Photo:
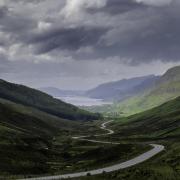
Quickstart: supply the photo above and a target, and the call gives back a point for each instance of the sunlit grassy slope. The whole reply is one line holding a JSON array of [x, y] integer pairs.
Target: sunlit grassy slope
[[165, 89], [162, 121]]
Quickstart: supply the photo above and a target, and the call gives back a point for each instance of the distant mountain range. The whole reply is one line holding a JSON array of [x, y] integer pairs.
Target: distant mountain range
[[133, 95], [118, 90], [166, 88], [123, 89], [163, 89]]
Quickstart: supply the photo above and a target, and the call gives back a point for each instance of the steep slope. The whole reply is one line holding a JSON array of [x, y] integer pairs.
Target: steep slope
[[160, 122], [166, 88], [29, 120], [172, 74], [27, 138], [34, 130], [44, 102], [123, 89], [160, 125]]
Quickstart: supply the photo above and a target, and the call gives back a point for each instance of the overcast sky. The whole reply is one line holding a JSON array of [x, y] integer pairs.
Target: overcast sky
[[78, 44]]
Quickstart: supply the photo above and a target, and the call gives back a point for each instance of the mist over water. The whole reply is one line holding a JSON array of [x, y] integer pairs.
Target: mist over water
[[83, 101]]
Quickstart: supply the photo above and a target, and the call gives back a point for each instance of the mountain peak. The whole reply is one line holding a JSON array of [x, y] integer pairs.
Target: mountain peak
[[173, 74]]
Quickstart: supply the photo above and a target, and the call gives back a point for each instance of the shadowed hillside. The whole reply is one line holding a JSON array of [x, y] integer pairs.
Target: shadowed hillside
[[30, 121], [37, 99]]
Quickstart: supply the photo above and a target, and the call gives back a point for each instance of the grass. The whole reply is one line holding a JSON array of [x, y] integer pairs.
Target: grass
[[159, 125], [36, 143], [88, 156], [37, 157], [27, 139], [162, 93], [31, 97], [165, 166], [161, 122]]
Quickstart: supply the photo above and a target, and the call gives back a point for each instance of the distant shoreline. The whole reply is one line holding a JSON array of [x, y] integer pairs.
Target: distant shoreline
[[83, 101]]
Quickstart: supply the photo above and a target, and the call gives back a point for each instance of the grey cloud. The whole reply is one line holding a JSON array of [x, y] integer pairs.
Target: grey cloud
[[134, 32], [5, 66], [159, 39], [3, 11], [155, 2], [119, 6], [15, 27], [69, 39], [126, 28], [143, 35]]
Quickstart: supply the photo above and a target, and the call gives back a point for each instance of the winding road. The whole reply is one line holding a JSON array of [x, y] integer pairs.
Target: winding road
[[137, 160]]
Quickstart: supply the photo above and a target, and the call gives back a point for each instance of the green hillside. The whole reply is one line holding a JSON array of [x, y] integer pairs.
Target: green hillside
[[167, 88], [172, 74], [33, 142], [160, 125], [26, 138], [37, 99], [161, 94], [30, 120], [160, 122], [30, 124]]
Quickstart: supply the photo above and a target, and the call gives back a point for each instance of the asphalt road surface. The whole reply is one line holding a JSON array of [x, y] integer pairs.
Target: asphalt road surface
[[137, 160]]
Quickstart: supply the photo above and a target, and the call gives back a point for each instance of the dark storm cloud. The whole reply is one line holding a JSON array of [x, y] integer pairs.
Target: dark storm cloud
[[138, 30], [3, 12], [81, 43], [14, 25], [119, 6], [67, 39], [157, 39]]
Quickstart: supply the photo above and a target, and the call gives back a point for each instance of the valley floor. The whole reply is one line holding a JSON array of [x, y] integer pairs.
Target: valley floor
[[68, 155], [137, 160]]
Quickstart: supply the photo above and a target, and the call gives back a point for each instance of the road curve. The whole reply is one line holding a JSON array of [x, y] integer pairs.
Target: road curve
[[137, 160]]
